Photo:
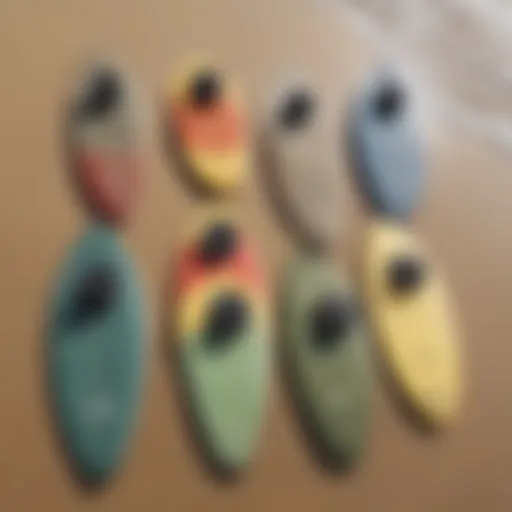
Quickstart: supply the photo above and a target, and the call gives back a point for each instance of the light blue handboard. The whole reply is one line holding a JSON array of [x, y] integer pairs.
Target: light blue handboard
[[96, 355], [386, 147]]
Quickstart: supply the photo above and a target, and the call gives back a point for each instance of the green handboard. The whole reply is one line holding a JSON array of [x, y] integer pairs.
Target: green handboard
[[326, 352]]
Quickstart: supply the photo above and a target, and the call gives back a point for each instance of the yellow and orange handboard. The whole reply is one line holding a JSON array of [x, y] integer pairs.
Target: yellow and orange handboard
[[209, 122]]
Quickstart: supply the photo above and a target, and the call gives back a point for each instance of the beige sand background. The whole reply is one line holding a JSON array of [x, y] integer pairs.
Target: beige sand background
[[465, 219]]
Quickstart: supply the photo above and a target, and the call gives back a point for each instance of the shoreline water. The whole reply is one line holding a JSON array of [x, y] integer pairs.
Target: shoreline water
[[454, 51]]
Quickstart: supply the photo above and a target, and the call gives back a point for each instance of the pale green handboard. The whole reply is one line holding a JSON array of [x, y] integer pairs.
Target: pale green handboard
[[226, 385], [331, 376], [96, 356]]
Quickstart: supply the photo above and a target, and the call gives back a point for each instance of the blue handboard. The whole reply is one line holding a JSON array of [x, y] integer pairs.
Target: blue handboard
[[386, 147], [95, 352]]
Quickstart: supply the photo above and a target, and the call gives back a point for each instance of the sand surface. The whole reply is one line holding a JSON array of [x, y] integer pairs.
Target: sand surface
[[465, 219]]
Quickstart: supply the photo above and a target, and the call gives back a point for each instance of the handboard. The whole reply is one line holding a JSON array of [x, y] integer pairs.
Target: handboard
[[221, 328], [104, 141], [305, 183], [96, 353], [207, 121], [386, 147], [326, 351], [414, 323]]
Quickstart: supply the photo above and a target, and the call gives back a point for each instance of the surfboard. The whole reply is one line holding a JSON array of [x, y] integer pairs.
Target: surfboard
[[304, 183], [415, 323], [326, 354], [96, 353], [208, 127], [104, 141], [220, 330], [386, 146]]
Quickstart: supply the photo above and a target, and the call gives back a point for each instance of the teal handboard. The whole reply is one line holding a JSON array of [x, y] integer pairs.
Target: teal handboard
[[386, 147], [96, 353], [326, 353]]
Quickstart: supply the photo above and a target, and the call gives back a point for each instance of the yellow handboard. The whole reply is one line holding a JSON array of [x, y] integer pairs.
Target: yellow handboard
[[414, 322], [207, 116]]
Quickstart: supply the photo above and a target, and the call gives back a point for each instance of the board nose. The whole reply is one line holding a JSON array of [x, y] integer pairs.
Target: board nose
[[95, 294], [406, 274], [297, 110], [206, 89], [330, 320], [228, 317], [218, 243], [389, 102], [103, 94]]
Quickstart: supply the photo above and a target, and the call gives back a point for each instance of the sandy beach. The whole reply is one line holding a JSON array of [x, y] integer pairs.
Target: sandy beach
[[456, 54]]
